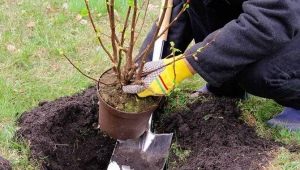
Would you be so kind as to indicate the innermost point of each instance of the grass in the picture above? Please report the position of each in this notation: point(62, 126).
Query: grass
point(286, 161)
point(256, 111)
point(180, 153)
point(96, 5)
point(32, 34)
point(33, 70)
point(260, 110)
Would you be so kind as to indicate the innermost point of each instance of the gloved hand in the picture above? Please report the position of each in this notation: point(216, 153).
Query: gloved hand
point(163, 80)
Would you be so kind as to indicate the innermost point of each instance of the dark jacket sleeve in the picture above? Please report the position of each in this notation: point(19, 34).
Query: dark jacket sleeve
point(263, 28)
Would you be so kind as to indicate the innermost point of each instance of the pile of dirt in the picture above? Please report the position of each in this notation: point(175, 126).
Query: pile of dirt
point(211, 130)
point(4, 164)
point(63, 134)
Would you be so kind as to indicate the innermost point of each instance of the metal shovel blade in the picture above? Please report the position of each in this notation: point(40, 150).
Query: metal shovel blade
point(149, 152)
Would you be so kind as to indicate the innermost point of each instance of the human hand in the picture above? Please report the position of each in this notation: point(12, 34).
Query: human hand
point(162, 77)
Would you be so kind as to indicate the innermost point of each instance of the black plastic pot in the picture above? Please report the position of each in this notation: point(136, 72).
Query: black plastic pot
point(122, 125)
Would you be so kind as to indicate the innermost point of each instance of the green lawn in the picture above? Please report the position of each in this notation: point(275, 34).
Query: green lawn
point(31, 69)
point(32, 34)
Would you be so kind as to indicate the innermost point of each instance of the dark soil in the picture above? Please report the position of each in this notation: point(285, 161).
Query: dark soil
point(113, 94)
point(4, 164)
point(62, 134)
point(211, 129)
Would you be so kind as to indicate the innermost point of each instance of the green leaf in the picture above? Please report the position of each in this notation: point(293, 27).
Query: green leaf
point(130, 3)
point(84, 12)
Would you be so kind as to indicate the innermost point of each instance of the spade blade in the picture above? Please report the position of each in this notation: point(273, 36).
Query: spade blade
point(149, 152)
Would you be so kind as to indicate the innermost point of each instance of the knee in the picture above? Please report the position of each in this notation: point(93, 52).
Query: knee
point(264, 81)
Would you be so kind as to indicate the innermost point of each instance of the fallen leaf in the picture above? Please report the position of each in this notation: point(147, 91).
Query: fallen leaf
point(65, 6)
point(30, 24)
point(11, 48)
point(78, 17)
point(98, 48)
point(49, 9)
point(83, 22)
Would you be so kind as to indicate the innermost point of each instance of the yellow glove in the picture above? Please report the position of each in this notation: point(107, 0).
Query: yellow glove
point(163, 80)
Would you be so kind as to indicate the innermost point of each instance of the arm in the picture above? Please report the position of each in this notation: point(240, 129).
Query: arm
point(263, 28)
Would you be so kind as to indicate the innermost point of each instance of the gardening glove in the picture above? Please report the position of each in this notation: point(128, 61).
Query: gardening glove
point(161, 81)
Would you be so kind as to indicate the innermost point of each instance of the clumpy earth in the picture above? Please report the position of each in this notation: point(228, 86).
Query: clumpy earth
point(210, 135)
point(63, 135)
point(112, 93)
point(4, 164)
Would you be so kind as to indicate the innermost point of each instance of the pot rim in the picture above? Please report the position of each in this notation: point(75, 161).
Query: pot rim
point(129, 113)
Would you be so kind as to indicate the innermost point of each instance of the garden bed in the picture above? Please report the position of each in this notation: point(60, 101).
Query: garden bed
point(63, 134)
point(210, 135)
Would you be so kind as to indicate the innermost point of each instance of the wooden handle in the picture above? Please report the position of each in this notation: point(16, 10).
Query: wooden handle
point(159, 43)
point(166, 20)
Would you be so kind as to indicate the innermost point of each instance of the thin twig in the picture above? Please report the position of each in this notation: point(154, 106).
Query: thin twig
point(143, 22)
point(174, 20)
point(111, 14)
point(83, 72)
point(167, 27)
point(132, 36)
point(123, 39)
point(200, 50)
point(96, 31)
point(79, 69)
point(151, 45)
point(139, 12)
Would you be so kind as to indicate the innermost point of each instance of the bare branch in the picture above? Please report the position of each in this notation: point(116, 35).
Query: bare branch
point(147, 51)
point(96, 31)
point(167, 28)
point(111, 14)
point(200, 50)
point(132, 36)
point(174, 20)
point(79, 69)
point(143, 21)
point(123, 38)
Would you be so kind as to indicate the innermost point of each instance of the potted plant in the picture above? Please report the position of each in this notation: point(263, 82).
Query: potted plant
point(121, 115)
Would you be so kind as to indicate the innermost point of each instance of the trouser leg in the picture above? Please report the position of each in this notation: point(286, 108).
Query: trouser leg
point(276, 77)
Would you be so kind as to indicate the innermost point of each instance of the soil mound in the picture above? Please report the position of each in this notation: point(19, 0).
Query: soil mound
point(63, 134)
point(211, 130)
point(4, 164)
